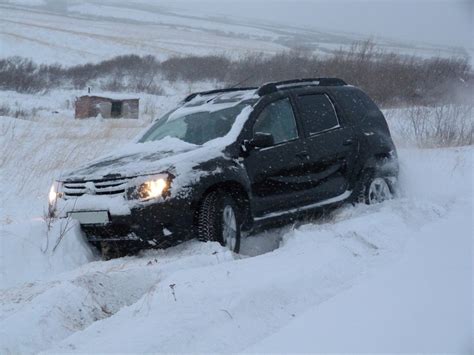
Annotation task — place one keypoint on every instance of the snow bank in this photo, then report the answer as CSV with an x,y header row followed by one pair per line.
x,y
440,175
423,301
36,315
29,252
418,304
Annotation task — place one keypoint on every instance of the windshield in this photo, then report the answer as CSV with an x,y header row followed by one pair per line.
x,y
196,124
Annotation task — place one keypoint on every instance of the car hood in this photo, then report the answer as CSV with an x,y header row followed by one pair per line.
x,y
134,160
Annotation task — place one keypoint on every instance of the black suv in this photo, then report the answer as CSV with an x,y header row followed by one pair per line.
x,y
233,160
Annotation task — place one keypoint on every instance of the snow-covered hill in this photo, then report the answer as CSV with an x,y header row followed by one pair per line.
x,y
77,32
395,277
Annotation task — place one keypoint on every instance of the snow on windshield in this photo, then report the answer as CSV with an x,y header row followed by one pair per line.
x,y
204,118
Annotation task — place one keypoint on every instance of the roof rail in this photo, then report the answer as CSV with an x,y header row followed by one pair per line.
x,y
269,88
216,91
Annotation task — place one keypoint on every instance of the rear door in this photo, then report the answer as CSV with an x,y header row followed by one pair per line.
x,y
331,144
278,173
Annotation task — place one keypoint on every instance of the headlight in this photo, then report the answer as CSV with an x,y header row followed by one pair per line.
x,y
54,192
151,187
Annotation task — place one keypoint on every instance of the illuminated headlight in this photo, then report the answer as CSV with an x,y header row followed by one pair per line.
x,y
55,192
150,187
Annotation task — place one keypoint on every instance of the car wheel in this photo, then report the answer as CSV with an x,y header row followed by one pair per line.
x,y
110,250
374,189
219,220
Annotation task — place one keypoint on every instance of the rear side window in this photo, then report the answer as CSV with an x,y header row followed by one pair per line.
x,y
278,119
371,106
318,113
360,109
352,104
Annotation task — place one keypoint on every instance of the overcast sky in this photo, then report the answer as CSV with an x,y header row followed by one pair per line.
x,y
447,22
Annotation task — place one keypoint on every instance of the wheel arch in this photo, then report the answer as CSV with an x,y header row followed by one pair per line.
x,y
236,190
384,161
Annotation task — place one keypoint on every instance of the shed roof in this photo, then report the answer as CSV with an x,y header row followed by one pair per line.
x,y
113,96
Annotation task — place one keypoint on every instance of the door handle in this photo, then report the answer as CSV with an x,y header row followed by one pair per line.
x,y
349,141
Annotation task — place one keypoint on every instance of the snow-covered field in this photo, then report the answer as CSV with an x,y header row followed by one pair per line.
x,y
91,31
396,277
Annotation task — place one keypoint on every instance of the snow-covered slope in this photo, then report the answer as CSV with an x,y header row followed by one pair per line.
x,y
422,302
402,266
92,30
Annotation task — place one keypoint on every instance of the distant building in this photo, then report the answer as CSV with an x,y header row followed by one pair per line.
x,y
92,106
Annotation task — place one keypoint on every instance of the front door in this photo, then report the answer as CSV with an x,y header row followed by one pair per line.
x,y
278,172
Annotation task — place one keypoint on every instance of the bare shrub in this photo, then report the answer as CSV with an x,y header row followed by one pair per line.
x,y
113,84
21,75
149,88
441,126
4,110
17,112
149,109
136,85
131,73
453,125
392,79
196,68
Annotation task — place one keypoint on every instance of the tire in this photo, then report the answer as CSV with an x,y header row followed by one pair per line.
x,y
111,250
373,189
219,220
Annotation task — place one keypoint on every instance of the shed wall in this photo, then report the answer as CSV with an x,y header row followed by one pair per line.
x,y
92,106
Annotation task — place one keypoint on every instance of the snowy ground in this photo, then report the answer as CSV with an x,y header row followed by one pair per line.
x,y
396,277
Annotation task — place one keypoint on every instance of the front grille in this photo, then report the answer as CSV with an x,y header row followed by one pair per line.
x,y
95,187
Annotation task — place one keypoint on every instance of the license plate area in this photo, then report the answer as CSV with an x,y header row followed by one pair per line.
x,y
90,217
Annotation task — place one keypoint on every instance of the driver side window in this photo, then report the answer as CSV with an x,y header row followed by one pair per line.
x,y
278,119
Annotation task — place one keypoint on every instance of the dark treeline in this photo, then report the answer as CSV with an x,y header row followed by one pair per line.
x,y
391,79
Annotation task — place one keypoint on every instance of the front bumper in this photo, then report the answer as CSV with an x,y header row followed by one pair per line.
x,y
159,224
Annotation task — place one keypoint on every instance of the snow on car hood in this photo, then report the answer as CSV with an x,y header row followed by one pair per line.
x,y
170,155
131,160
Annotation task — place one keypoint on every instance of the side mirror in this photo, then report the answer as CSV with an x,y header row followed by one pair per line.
x,y
262,140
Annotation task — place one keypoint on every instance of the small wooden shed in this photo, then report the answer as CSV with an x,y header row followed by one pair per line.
x,y
107,107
